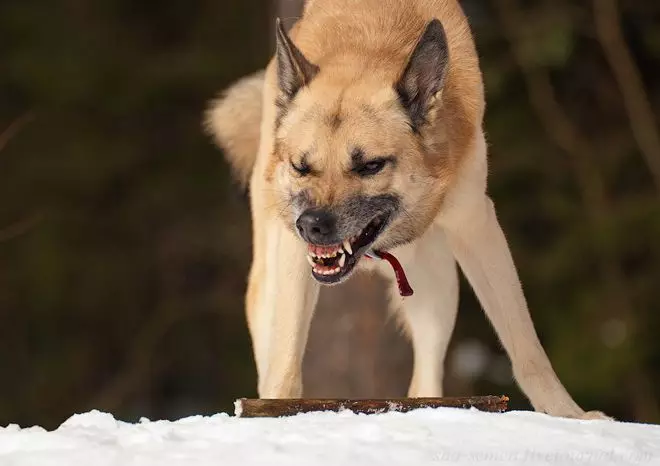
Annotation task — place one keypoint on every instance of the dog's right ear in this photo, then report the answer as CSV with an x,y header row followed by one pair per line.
x,y
423,78
293,69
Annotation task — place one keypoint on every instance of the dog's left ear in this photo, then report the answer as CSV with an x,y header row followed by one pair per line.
x,y
423,78
293,69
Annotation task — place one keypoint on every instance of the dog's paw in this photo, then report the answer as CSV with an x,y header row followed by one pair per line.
x,y
594,415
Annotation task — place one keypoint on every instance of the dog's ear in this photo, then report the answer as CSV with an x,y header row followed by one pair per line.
x,y
293,69
423,78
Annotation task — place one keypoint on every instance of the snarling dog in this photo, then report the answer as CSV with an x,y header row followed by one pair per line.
x,y
363,140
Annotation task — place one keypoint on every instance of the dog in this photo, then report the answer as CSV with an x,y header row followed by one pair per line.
x,y
363,140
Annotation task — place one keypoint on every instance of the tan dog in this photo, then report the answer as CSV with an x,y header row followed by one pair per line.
x,y
370,141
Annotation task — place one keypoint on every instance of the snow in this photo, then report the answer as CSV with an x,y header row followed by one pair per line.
x,y
425,437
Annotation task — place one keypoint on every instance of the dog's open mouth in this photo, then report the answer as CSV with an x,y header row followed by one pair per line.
x,y
330,264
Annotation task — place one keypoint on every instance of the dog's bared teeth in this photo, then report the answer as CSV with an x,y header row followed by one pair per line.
x,y
310,260
347,247
342,261
331,253
322,270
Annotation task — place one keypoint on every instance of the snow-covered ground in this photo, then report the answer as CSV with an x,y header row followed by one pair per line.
x,y
424,437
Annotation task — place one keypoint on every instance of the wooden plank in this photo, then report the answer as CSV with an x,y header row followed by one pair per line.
x,y
247,407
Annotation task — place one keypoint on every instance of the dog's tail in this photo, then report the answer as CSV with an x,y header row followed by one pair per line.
x,y
234,121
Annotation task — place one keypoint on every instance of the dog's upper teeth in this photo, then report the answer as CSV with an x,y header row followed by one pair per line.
x,y
347,247
342,261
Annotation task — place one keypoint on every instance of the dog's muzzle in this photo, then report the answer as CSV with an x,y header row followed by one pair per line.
x,y
332,257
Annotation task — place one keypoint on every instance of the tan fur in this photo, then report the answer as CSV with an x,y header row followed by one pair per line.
x,y
232,120
361,49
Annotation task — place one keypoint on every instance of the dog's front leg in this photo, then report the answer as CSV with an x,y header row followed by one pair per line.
x,y
481,249
285,308
430,313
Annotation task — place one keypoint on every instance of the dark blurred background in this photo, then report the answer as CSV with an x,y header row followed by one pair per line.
x,y
124,245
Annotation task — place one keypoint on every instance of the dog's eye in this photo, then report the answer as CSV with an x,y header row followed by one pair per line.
x,y
370,168
301,168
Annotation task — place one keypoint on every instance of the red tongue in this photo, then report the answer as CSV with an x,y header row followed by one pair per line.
x,y
401,279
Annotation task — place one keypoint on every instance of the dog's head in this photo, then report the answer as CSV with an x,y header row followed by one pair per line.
x,y
357,160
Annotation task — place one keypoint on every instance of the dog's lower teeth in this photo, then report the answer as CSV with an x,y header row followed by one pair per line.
x,y
310,260
326,271
342,261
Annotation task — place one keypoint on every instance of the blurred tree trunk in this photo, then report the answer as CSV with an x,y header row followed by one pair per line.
x,y
355,348
288,9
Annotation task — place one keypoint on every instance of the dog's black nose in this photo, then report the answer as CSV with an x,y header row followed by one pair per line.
x,y
317,226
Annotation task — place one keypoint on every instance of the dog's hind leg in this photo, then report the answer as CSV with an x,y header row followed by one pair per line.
x,y
281,298
429,314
